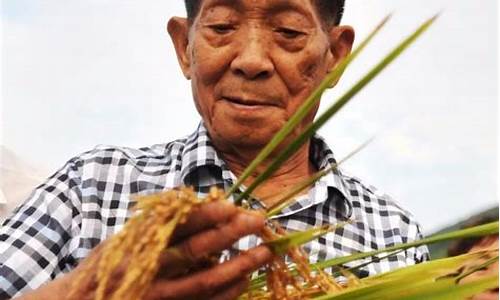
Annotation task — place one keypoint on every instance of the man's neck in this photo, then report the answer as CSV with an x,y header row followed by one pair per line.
x,y
294,171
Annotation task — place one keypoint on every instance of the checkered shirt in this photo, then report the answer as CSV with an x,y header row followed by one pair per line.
x,y
88,200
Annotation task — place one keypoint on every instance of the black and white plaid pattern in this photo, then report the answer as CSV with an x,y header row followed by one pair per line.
x,y
89,199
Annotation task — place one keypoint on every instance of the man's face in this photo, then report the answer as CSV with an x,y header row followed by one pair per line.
x,y
253,63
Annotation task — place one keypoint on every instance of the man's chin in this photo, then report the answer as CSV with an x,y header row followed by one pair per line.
x,y
241,137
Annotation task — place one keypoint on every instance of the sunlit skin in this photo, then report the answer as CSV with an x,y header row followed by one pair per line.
x,y
251,65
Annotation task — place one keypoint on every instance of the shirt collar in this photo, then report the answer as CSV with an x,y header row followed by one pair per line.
x,y
200,156
322,156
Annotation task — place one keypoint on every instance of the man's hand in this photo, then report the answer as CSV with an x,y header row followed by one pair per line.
x,y
208,230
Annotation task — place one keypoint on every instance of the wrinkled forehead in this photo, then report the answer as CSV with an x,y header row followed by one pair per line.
x,y
303,6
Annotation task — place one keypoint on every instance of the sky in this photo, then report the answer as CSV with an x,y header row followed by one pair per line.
x,y
75,74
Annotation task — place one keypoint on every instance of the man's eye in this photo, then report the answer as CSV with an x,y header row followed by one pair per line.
x,y
289,33
222,28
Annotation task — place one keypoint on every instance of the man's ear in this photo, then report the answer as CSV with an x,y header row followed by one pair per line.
x,y
178,29
341,41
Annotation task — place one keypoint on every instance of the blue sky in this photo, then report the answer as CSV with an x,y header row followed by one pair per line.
x,y
80,73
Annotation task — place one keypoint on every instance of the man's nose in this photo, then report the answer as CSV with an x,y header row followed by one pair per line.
x,y
252,60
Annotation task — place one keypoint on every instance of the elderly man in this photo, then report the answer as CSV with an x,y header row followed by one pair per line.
x,y
251,64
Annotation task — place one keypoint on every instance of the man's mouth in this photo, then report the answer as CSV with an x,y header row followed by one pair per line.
x,y
249,102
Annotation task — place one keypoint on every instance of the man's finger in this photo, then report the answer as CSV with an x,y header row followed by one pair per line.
x,y
206,216
202,245
233,290
217,239
209,281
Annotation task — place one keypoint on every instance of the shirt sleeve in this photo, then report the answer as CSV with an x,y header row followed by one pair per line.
x,y
418,254
36,240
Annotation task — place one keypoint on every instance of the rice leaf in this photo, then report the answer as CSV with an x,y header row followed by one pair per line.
x,y
416,290
431,280
447,291
304,109
334,108
281,245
